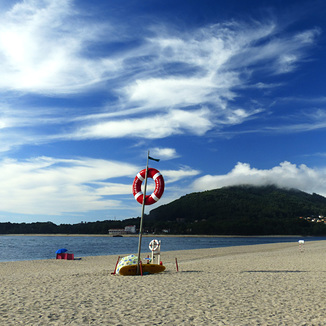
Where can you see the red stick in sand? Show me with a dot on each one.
(176, 264)
(116, 266)
(141, 268)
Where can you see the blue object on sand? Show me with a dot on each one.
(62, 250)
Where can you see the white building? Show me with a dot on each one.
(130, 229)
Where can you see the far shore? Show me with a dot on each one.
(156, 235)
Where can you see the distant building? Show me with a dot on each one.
(117, 231)
(314, 219)
(129, 229)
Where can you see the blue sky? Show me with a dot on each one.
(224, 93)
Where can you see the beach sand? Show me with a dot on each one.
(273, 284)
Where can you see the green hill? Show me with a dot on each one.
(241, 210)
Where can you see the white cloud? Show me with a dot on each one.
(210, 64)
(286, 175)
(109, 188)
(271, 52)
(208, 60)
(164, 153)
(179, 92)
(43, 47)
(196, 122)
(300, 121)
(175, 77)
(176, 175)
(51, 186)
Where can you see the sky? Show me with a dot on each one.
(222, 92)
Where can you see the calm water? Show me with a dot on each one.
(14, 248)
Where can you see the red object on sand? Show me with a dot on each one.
(176, 264)
(116, 266)
(66, 256)
(70, 256)
(141, 268)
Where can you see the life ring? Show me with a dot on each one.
(154, 245)
(159, 186)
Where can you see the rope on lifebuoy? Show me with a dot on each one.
(153, 245)
(159, 186)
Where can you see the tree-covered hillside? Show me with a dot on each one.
(240, 210)
(243, 210)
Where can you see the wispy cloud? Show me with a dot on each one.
(196, 122)
(209, 66)
(301, 121)
(50, 186)
(169, 78)
(176, 175)
(44, 47)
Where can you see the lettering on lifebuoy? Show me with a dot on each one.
(159, 186)
(154, 245)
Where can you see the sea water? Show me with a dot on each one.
(14, 248)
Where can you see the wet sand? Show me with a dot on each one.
(272, 284)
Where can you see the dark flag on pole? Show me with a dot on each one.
(154, 159)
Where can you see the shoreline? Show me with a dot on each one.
(41, 247)
(157, 235)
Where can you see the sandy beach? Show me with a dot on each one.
(274, 284)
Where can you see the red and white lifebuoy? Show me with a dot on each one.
(154, 245)
(159, 186)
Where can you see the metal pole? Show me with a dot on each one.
(142, 217)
